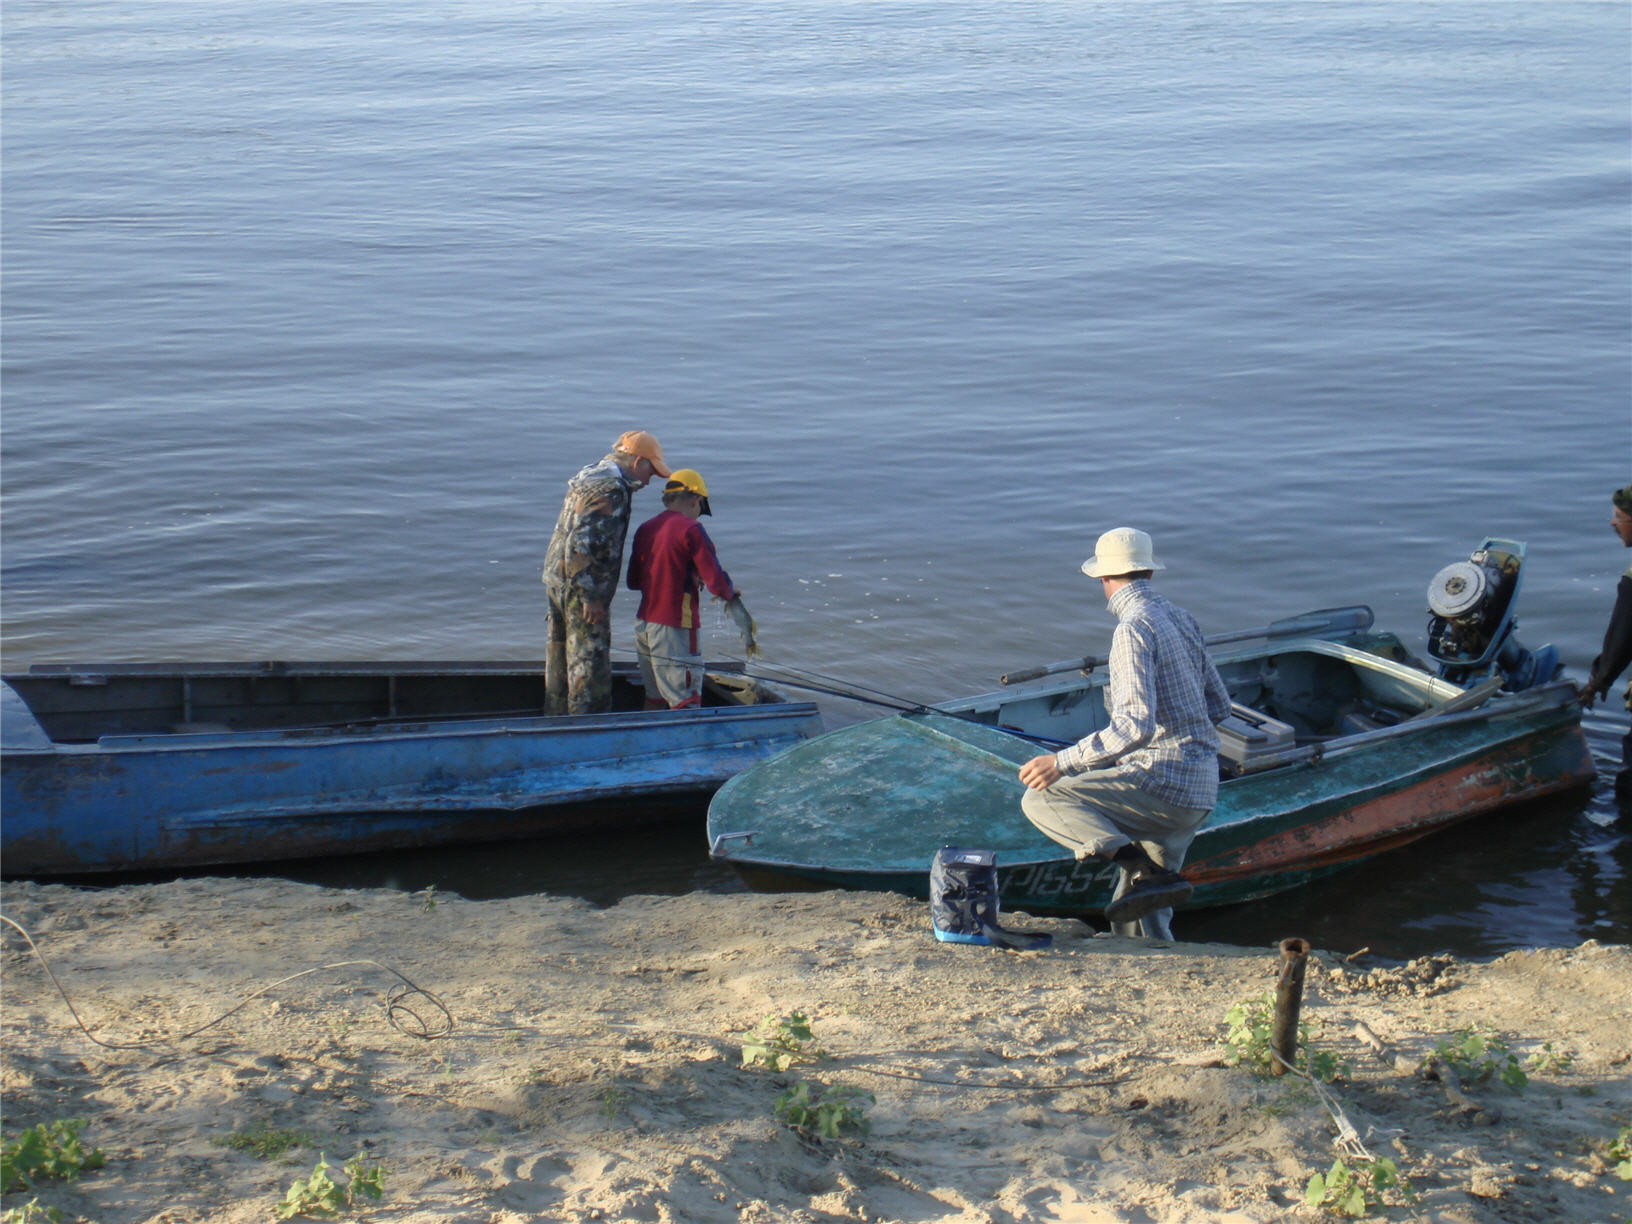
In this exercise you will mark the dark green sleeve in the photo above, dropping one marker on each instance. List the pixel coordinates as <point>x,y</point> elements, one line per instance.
<point>1617,649</point>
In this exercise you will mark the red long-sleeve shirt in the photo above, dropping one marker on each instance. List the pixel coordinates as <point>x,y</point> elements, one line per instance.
<point>669,561</point>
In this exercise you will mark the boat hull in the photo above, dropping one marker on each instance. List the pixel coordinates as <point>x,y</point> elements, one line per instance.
<point>867,806</point>
<point>162,800</point>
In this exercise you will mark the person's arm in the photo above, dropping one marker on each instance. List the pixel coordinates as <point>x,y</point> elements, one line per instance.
<point>637,559</point>
<point>707,564</point>
<point>1617,649</point>
<point>1132,704</point>
<point>597,536</point>
<point>1218,696</point>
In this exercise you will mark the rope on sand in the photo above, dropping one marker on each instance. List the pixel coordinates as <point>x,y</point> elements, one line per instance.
<point>1348,1139</point>
<point>399,1004</point>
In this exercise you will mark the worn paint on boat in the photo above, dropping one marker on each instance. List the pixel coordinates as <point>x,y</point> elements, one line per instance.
<point>1377,753</point>
<point>120,767</point>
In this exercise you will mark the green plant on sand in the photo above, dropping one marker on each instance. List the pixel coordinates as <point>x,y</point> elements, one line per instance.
<point>1247,1042</point>
<point>46,1152</point>
<point>780,1042</point>
<point>831,1114</point>
<point>318,1194</point>
<point>1358,1190</point>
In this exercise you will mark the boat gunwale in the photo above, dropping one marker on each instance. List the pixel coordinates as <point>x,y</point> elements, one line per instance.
<point>450,726</point>
<point>1435,688</point>
<point>531,725</point>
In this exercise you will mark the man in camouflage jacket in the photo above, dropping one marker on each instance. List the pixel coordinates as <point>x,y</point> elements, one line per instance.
<point>581,571</point>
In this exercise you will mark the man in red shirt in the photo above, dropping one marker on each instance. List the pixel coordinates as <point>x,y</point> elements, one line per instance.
<point>671,559</point>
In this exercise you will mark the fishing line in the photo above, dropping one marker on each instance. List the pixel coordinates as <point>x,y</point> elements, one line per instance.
<point>989,1085</point>
<point>829,685</point>
<point>398,1011</point>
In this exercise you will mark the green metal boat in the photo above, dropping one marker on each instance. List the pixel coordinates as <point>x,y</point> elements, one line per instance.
<point>1340,747</point>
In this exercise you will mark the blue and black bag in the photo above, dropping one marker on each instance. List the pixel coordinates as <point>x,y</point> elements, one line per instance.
<point>964,903</point>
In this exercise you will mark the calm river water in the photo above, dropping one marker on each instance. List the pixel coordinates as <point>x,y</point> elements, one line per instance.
<point>310,310</point>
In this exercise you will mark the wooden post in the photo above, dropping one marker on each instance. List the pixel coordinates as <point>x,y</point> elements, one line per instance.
<point>1283,1038</point>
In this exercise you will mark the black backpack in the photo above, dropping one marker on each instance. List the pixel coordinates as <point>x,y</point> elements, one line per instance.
<point>964,903</point>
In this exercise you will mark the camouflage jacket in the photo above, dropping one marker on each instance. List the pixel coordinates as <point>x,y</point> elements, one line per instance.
<point>586,548</point>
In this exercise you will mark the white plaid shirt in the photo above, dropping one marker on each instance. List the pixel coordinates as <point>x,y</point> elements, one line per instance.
<point>1165,699</point>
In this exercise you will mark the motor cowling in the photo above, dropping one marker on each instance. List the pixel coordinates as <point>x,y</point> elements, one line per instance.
<point>1472,620</point>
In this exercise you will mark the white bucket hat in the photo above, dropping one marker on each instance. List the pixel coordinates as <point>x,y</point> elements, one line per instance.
<point>1121,550</point>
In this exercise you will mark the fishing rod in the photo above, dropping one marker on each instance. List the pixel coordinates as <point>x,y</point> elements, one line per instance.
<point>831,686</point>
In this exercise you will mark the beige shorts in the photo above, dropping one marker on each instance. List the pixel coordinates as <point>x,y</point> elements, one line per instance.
<point>670,667</point>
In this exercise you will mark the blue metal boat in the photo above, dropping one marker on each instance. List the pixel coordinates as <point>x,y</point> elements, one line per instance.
<point>134,767</point>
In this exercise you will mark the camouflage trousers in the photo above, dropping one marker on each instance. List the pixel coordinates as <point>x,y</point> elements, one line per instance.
<point>577,658</point>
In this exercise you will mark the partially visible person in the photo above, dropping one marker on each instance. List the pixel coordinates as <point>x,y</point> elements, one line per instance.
<point>1617,648</point>
<point>581,568</point>
<point>1135,793</point>
<point>670,561</point>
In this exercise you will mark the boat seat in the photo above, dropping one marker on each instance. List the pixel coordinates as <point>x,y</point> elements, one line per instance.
<point>200,728</point>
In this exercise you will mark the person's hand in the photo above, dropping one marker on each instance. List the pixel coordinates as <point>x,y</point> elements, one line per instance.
<point>595,612</point>
<point>1588,695</point>
<point>1040,772</point>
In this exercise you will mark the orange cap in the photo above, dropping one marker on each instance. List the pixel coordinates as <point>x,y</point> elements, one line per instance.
<point>642,445</point>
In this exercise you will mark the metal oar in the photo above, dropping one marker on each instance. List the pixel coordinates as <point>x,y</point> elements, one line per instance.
<point>1352,619</point>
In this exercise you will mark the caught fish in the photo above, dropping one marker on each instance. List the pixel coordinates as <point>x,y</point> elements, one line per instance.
<point>738,612</point>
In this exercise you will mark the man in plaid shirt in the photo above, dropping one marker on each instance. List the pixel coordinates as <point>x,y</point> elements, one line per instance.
<point>1135,792</point>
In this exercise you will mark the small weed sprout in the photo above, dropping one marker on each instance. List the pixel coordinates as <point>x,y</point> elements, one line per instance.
<point>1548,1061</point>
<point>1247,1042</point>
<point>429,898</point>
<point>1359,1190</point>
<point>778,1043</point>
<point>1478,1056</point>
<point>46,1152</point>
<point>265,1142</point>
<point>318,1194</point>
<point>1295,1095</point>
<point>30,1213</point>
<point>1620,1151</point>
<point>367,1181</point>
<point>613,1099</point>
<point>830,1115</point>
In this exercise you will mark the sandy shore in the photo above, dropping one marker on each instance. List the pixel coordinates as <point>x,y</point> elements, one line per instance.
<point>592,1067</point>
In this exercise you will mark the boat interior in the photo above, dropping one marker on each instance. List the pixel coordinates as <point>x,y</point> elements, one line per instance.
<point>83,703</point>
<point>1316,693</point>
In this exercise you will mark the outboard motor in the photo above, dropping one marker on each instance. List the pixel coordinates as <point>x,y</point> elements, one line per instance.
<point>1471,629</point>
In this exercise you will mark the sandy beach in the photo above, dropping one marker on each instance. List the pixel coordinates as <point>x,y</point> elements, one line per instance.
<point>589,1064</point>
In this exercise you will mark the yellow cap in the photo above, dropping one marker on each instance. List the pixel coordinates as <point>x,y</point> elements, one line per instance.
<point>642,445</point>
<point>687,481</point>
<point>690,481</point>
